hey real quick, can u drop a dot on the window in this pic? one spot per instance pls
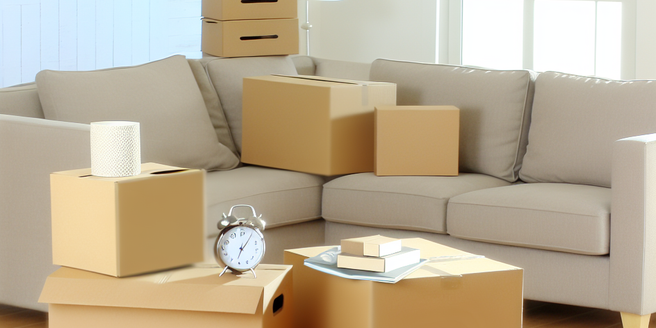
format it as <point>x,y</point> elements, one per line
<point>574,36</point>
<point>492,33</point>
<point>93,34</point>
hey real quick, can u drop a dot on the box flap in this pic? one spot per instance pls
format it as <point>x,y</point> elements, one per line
<point>147,169</point>
<point>468,265</point>
<point>330,79</point>
<point>197,288</point>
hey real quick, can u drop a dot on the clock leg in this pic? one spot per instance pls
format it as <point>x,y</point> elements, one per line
<point>224,271</point>
<point>254,275</point>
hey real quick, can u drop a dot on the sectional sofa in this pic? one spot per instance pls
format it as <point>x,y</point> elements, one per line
<point>543,159</point>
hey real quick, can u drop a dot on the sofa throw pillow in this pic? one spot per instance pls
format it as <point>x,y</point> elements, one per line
<point>162,96</point>
<point>213,104</point>
<point>495,108</point>
<point>227,75</point>
<point>576,120</point>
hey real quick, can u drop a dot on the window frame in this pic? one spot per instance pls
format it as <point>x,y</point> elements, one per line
<point>449,43</point>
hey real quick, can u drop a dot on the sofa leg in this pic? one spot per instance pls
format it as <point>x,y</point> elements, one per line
<point>630,320</point>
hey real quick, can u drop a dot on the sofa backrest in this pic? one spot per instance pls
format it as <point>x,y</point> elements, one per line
<point>22,100</point>
<point>495,108</point>
<point>227,75</point>
<point>306,65</point>
<point>575,121</point>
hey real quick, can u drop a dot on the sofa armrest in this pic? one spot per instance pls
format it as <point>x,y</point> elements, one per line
<point>30,149</point>
<point>633,226</point>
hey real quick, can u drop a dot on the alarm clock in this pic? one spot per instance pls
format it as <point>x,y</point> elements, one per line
<point>240,245</point>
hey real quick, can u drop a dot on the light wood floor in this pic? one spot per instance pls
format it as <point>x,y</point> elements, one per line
<point>536,315</point>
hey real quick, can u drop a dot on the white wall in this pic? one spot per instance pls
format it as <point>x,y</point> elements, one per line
<point>363,30</point>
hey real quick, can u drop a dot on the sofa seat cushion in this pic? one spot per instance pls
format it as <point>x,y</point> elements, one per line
<point>400,202</point>
<point>562,217</point>
<point>576,120</point>
<point>282,197</point>
<point>495,107</point>
<point>163,96</point>
<point>227,76</point>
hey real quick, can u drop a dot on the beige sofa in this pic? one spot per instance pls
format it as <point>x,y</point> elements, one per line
<point>543,159</point>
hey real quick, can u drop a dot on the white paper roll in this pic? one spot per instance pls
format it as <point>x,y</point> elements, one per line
<point>115,149</point>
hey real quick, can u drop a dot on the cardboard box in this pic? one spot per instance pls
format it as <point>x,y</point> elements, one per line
<point>249,9</point>
<point>131,225</point>
<point>469,293</point>
<point>241,38</point>
<point>190,297</point>
<point>376,246</point>
<point>417,140</point>
<point>405,257</point>
<point>311,124</point>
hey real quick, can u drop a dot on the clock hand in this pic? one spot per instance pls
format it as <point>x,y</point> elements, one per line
<point>241,249</point>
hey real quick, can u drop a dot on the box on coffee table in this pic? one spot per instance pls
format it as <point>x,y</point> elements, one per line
<point>311,124</point>
<point>130,225</point>
<point>189,297</point>
<point>467,293</point>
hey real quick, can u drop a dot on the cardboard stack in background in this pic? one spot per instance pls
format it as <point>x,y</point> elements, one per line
<point>417,140</point>
<point>115,236</point>
<point>311,124</point>
<point>236,28</point>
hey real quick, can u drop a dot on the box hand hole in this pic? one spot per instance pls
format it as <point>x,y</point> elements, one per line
<point>257,1</point>
<point>258,37</point>
<point>168,172</point>
<point>278,303</point>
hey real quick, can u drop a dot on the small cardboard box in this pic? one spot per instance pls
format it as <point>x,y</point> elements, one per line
<point>468,293</point>
<point>376,246</point>
<point>131,225</point>
<point>241,38</point>
<point>417,140</point>
<point>249,9</point>
<point>190,297</point>
<point>311,124</point>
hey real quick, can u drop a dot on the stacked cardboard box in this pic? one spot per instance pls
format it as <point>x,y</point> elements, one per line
<point>114,236</point>
<point>129,225</point>
<point>416,140</point>
<point>311,124</point>
<point>188,297</point>
<point>240,28</point>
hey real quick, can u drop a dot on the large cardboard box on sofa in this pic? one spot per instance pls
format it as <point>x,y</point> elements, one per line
<point>258,37</point>
<point>249,9</point>
<point>189,297</point>
<point>311,124</point>
<point>468,293</point>
<point>131,225</point>
<point>417,140</point>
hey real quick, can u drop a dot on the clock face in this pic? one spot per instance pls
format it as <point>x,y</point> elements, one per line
<point>241,247</point>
